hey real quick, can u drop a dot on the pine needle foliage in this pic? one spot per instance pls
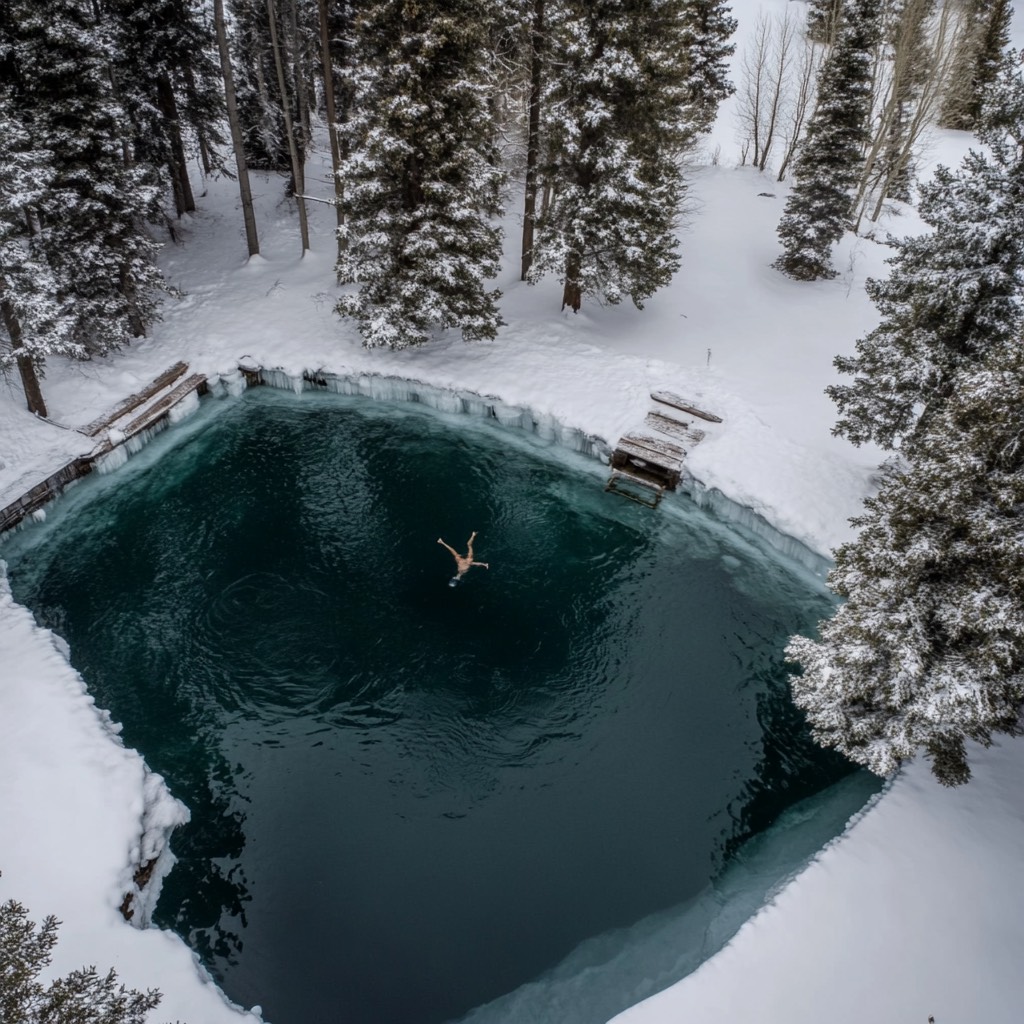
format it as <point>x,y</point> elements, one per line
<point>928,650</point>
<point>708,28</point>
<point>91,220</point>
<point>927,653</point>
<point>831,157</point>
<point>420,175</point>
<point>954,293</point>
<point>616,117</point>
<point>34,315</point>
<point>82,997</point>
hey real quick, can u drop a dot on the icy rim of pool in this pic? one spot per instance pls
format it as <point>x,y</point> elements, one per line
<point>545,426</point>
<point>607,973</point>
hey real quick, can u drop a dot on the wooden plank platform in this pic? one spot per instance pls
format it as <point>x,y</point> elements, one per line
<point>135,400</point>
<point>197,382</point>
<point>674,428</point>
<point>48,489</point>
<point>652,457</point>
<point>43,492</point>
<point>635,487</point>
<point>684,405</point>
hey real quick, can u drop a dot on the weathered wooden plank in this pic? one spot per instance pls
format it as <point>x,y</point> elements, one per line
<point>634,487</point>
<point>658,450</point>
<point>684,405</point>
<point>197,382</point>
<point>674,428</point>
<point>43,492</point>
<point>135,400</point>
<point>641,464</point>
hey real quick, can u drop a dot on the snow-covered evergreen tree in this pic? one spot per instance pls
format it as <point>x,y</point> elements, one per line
<point>259,98</point>
<point>167,79</point>
<point>823,18</point>
<point>614,123</point>
<point>421,185</point>
<point>954,293</point>
<point>831,158</point>
<point>34,321</point>
<point>708,28</point>
<point>928,650</point>
<point>984,36</point>
<point>261,103</point>
<point>91,220</point>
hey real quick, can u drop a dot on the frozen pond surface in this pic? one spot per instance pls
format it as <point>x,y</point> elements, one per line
<point>407,798</point>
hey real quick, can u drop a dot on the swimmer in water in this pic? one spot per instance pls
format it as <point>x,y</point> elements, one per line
<point>463,562</point>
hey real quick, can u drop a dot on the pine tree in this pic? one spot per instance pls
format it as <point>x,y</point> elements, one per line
<point>32,316</point>
<point>614,123</point>
<point>260,110</point>
<point>420,178</point>
<point>984,36</point>
<point>708,28</point>
<point>829,163</point>
<point>823,20</point>
<point>928,650</point>
<point>91,221</point>
<point>167,79</point>
<point>953,293</point>
<point>81,996</point>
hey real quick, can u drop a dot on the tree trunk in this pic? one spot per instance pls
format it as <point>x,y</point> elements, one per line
<point>204,146</point>
<point>533,139</point>
<point>26,368</point>
<point>237,143</point>
<point>572,293</point>
<point>302,97</point>
<point>332,124</point>
<point>184,201</point>
<point>297,176</point>
<point>127,289</point>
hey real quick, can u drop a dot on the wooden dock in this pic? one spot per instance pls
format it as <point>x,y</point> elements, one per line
<point>644,465</point>
<point>155,400</point>
<point>675,401</point>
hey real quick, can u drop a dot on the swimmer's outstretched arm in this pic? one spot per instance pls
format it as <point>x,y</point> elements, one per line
<point>483,565</point>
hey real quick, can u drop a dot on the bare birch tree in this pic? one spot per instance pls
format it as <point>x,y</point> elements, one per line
<point>921,50</point>
<point>777,76</point>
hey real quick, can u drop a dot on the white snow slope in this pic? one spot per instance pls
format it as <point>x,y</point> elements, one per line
<point>917,910</point>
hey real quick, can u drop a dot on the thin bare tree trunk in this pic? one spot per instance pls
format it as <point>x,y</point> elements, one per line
<point>204,146</point>
<point>332,122</point>
<point>183,199</point>
<point>26,368</point>
<point>237,143</point>
<point>302,97</point>
<point>809,64</point>
<point>572,292</point>
<point>749,99</point>
<point>297,175</point>
<point>533,137</point>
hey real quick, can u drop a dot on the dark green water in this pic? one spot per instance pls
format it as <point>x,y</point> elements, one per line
<point>408,798</point>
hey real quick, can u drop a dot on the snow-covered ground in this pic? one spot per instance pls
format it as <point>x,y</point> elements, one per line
<point>917,910</point>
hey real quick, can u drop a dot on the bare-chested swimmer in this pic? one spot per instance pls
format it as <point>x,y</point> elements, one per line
<point>463,562</point>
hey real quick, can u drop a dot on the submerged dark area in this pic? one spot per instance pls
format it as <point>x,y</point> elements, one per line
<point>408,798</point>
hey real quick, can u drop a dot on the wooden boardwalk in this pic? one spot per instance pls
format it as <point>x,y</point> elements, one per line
<point>155,400</point>
<point>644,465</point>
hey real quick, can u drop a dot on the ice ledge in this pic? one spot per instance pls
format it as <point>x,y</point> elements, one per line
<point>546,426</point>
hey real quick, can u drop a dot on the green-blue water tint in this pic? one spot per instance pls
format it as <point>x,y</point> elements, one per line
<point>409,798</point>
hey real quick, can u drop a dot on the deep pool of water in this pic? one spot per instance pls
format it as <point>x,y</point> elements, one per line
<point>409,798</point>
